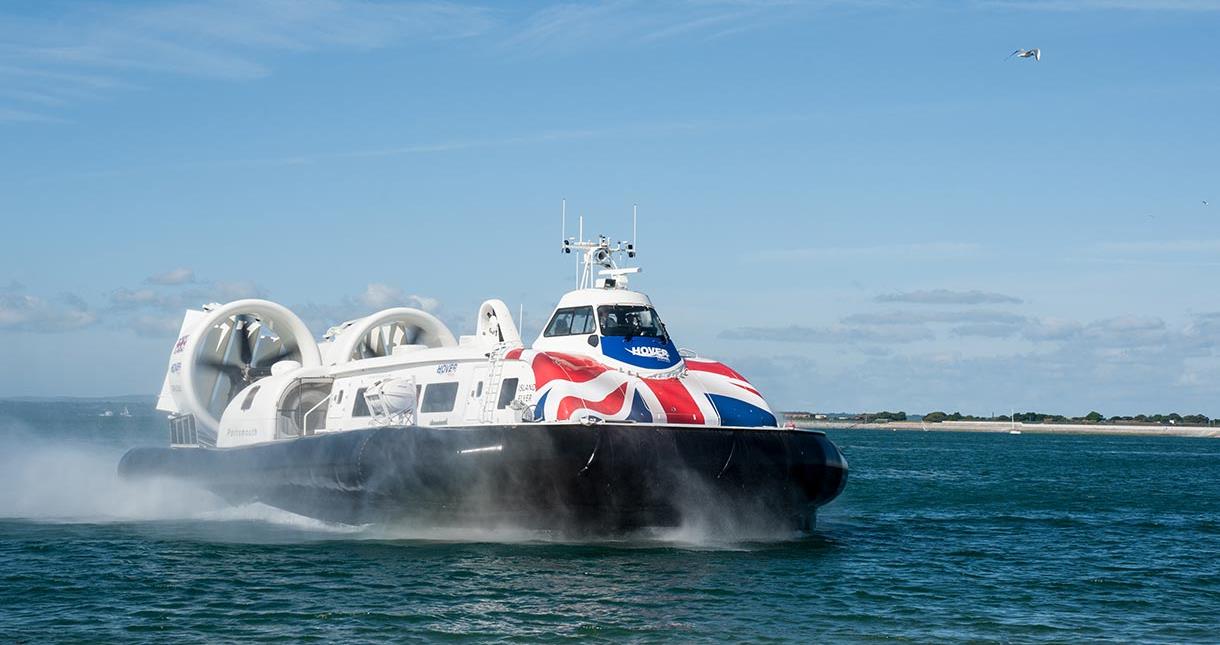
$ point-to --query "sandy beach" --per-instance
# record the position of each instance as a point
(1023, 428)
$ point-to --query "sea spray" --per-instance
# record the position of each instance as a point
(62, 480)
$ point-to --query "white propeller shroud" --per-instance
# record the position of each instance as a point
(377, 334)
(230, 347)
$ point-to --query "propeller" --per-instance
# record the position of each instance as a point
(386, 337)
(250, 366)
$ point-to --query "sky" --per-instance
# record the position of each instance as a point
(859, 204)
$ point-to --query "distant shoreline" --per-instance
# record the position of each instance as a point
(1004, 427)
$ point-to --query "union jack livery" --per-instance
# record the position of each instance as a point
(601, 423)
(705, 392)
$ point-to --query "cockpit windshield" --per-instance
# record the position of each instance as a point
(630, 320)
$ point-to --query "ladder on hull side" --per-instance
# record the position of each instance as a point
(495, 370)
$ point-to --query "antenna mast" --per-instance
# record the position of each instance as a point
(635, 239)
(600, 253)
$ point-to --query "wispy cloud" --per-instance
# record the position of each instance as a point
(974, 316)
(441, 146)
(90, 49)
(948, 297)
(376, 296)
(1104, 5)
(831, 334)
(919, 251)
(1160, 246)
(25, 116)
(1123, 364)
(582, 25)
(23, 312)
(181, 275)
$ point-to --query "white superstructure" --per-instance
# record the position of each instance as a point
(251, 371)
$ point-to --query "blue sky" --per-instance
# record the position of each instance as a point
(859, 204)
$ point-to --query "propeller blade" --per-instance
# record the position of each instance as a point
(283, 354)
(245, 347)
(234, 372)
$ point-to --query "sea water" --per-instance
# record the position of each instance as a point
(938, 537)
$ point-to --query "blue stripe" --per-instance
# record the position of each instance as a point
(735, 412)
(540, 407)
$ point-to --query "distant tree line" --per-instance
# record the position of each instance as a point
(1091, 417)
(870, 417)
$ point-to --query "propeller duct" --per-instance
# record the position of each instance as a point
(232, 347)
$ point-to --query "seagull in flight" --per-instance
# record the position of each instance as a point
(1034, 53)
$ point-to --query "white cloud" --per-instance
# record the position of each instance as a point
(986, 330)
(22, 312)
(948, 297)
(177, 276)
(224, 291)
(376, 296)
(123, 298)
(916, 317)
(831, 334)
(381, 296)
(149, 325)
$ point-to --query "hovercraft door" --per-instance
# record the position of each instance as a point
(477, 394)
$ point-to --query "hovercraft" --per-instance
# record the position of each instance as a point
(601, 424)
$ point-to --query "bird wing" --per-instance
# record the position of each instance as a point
(1014, 53)
(1037, 54)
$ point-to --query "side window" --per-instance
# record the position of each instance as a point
(582, 321)
(361, 407)
(508, 392)
(572, 320)
(478, 391)
(561, 324)
(439, 397)
(245, 405)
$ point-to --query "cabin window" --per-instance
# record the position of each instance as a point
(361, 407)
(630, 320)
(339, 397)
(478, 390)
(245, 405)
(571, 320)
(508, 392)
(439, 397)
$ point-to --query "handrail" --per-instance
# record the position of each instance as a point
(305, 419)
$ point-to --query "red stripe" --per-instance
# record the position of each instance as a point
(714, 368)
(550, 366)
(609, 405)
(513, 354)
(749, 389)
(675, 400)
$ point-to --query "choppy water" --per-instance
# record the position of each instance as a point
(938, 537)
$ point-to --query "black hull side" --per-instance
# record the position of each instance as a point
(604, 477)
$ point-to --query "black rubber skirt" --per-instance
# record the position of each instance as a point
(602, 477)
